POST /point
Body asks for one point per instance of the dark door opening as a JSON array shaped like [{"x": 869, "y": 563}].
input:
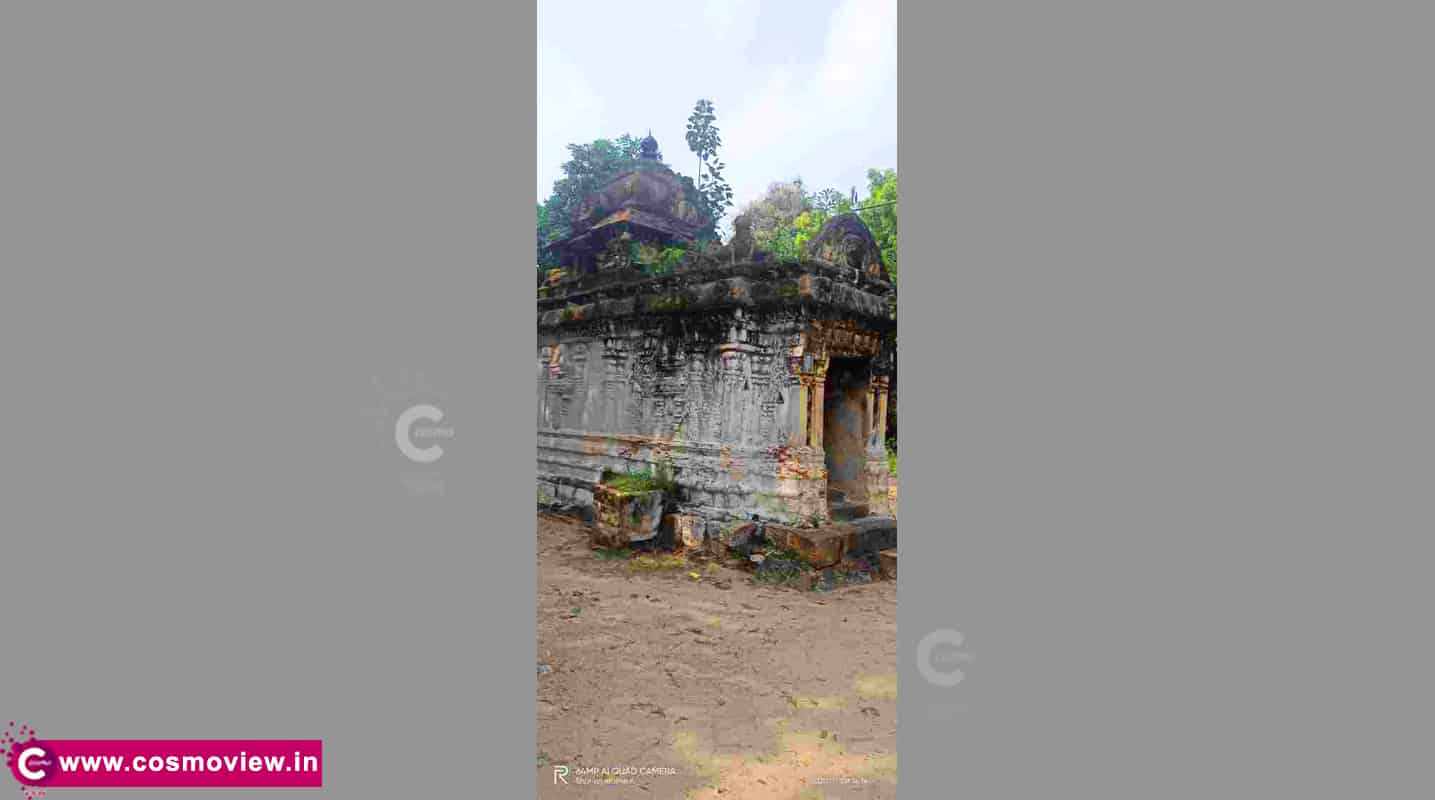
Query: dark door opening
[{"x": 844, "y": 435}]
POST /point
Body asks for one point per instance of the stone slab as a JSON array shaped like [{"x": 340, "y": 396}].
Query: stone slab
[
  {"x": 689, "y": 530},
  {"x": 888, "y": 560},
  {"x": 626, "y": 517},
  {"x": 820, "y": 547},
  {"x": 871, "y": 535}
]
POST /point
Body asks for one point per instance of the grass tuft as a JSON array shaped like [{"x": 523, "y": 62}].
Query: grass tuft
[{"x": 659, "y": 478}]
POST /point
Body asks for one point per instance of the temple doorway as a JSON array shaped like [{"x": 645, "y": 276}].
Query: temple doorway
[{"x": 845, "y": 429}]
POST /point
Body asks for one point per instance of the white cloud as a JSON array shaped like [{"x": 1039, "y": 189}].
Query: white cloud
[
  {"x": 796, "y": 120},
  {"x": 730, "y": 23},
  {"x": 820, "y": 112},
  {"x": 567, "y": 102},
  {"x": 859, "y": 60}
]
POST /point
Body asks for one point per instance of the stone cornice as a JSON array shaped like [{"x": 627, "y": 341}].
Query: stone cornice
[{"x": 756, "y": 285}]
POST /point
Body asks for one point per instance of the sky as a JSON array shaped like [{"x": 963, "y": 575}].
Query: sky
[{"x": 800, "y": 89}]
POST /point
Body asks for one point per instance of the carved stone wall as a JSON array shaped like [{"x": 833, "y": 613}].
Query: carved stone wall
[
  {"x": 715, "y": 396},
  {"x": 732, "y": 401},
  {"x": 717, "y": 370}
]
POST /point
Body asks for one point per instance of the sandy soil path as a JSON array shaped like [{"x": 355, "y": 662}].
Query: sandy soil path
[{"x": 740, "y": 690}]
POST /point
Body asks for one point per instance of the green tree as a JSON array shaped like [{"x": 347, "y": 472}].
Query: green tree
[
  {"x": 547, "y": 233},
  {"x": 704, "y": 139},
  {"x": 827, "y": 201},
  {"x": 880, "y": 217},
  {"x": 772, "y": 215},
  {"x": 787, "y": 217},
  {"x": 588, "y": 167},
  {"x": 880, "y": 214}
]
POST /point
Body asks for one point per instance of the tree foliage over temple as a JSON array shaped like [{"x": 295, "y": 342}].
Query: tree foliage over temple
[
  {"x": 704, "y": 139},
  {"x": 782, "y": 221},
  {"x": 788, "y": 215},
  {"x": 590, "y": 166}
]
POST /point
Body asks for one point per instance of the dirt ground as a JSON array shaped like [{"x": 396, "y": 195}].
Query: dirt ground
[{"x": 729, "y": 688}]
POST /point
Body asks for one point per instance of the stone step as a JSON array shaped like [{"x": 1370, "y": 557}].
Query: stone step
[
  {"x": 829, "y": 544},
  {"x": 888, "y": 561},
  {"x": 819, "y": 547},
  {"x": 871, "y": 535},
  {"x": 846, "y": 510}
]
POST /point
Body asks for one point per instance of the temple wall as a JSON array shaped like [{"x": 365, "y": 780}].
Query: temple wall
[
  {"x": 732, "y": 403},
  {"x": 717, "y": 398},
  {"x": 718, "y": 371}
]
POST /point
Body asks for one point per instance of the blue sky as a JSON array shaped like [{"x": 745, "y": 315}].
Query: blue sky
[{"x": 801, "y": 88}]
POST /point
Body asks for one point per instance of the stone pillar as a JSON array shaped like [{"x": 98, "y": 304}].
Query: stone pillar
[
  {"x": 799, "y": 434},
  {"x": 811, "y": 376},
  {"x": 879, "y": 478},
  {"x": 815, "y": 424},
  {"x": 869, "y": 426},
  {"x": 880, "y": 384}
]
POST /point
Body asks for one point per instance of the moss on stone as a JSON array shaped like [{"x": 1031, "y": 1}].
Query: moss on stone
[
  {"x": 664, "y": 303},
  {"x": 639, "y": 481}
]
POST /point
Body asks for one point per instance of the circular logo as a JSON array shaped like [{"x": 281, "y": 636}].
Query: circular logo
[
  {"x": 933, "y": 667},
  {"x": 33, "y": 763},
  {"x": 404, "y": 433}
]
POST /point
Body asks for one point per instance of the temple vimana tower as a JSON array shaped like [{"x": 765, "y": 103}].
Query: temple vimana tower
[{"x": 759, "y": 383}]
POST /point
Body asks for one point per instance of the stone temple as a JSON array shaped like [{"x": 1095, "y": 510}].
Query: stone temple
[{"x": 759, "y": 382}]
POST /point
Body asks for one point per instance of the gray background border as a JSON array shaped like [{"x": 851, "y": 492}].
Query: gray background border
[
  {"x": 1165, "y": 322},
  {"x": 1166, "y": 424},
  {"x": 235, "y": 236}
]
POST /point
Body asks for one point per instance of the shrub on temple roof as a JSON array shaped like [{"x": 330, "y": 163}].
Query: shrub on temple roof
[{"x": 704, "y": 139}]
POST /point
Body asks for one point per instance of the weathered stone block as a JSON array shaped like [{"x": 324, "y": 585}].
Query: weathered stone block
[
  {"x": 888, "y": 560},
  {"x": 871, "y": 535},
  {"x": 820, "y": 547},
  {"x": 715, "y": 536},
  {"x": 689, "y": 530},
  {"x": 624, "y": 517},
  {"x": 879, "y": 485},
  {"x": 740, "y": 537}
]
